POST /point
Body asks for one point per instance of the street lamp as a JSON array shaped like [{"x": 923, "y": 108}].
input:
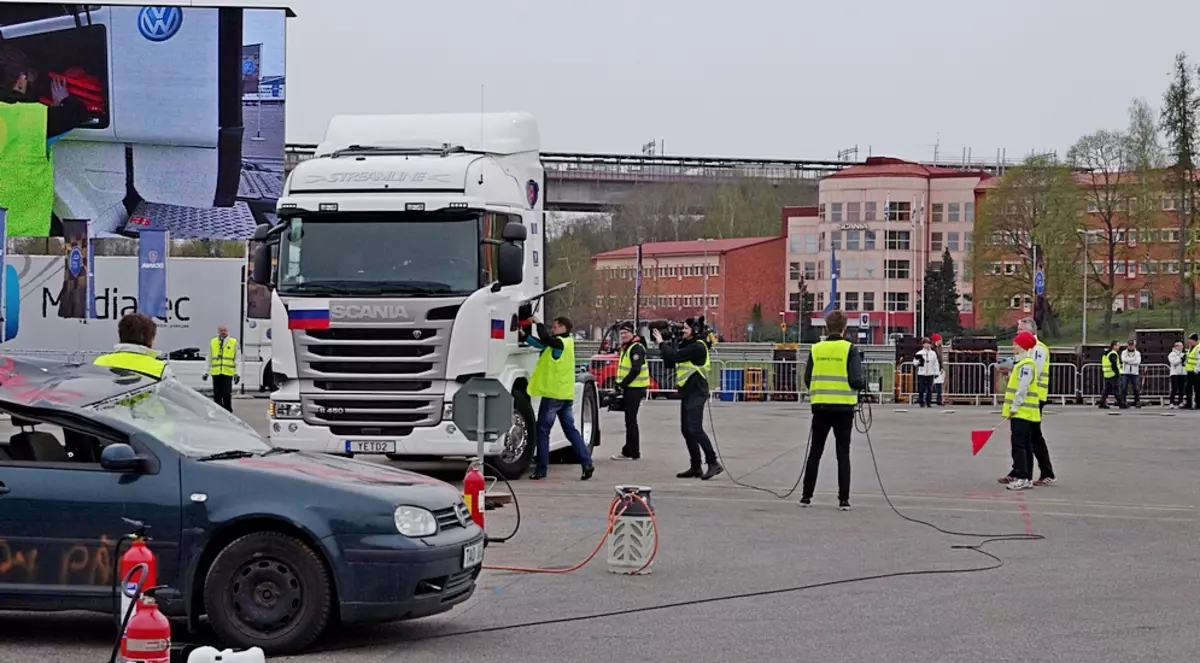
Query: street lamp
[
  {"x": 1087, "y": 267},
  {"x": 705, "y": 305}
]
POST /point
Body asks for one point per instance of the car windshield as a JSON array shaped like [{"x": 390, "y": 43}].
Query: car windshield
[
  {"x": 183, "y": 419},
  {"x": 382, "y": 254}
]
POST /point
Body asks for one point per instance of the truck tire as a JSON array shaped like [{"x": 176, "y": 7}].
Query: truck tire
[
  {"x": 589, "y": 413},
  {"x": 520, "y": 444},
  {"x": 283, "y": 580}
]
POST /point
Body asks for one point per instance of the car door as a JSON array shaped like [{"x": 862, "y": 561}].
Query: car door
[{"x": 60, "y": 523}]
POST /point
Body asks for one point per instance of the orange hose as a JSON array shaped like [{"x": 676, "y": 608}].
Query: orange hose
[{"x": 613, "y": 514}]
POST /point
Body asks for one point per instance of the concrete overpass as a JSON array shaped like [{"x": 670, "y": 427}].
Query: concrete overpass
[{"x": 579, "y": 182}]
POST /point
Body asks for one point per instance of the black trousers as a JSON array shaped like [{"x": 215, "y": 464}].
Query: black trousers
[
  {"x": 1112, "y": 387},
  {"x": 1178, "y": 385},
  {"x": 631, "y": 402},
  {"x": 1022, "y": 447},
  {"x": 223, "y": 391},
  {"x": 1192, "y": 391},
  {"x": 1041, "y": 453},
  {"x": 924, "y": 390},
  {"x": 841, "y": 422},
  {"x": 691, "y": 415}
]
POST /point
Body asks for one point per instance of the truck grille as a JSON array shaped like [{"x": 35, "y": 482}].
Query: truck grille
[{"x": 372, "y": 380}]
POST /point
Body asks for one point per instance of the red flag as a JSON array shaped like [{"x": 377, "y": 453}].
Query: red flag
[{"x": 980, "y": 438}]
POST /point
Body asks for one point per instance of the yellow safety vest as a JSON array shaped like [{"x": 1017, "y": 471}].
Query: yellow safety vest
[
  {"x": 1106, "y": 366},
  {"x": 26, "y": 169},
  {"x": 830, "y": 384},
  {"x": 133, "y": 361},
  {"x": 222, "y": 360},
  {"x": 625, "y": 365},
  {"x": 1193, "y": 357},
  {"x": 1043, "y": 377},
  {"x": 555, "y": 378},
  {"x": 685, "y": 370},
  {"x": 1028, "y": 410}
]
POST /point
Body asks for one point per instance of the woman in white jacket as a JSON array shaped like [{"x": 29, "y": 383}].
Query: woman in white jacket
[
  {"x": 940, "y": 380},
  {"x": 928, "y": 368},
  {"x": 1178, "y": 375},
  {"x": 1131, "y": 363}
]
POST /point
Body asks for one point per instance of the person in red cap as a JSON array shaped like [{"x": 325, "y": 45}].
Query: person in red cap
[
  {"x": 1021, "y": 408},
  {"x": 940, "y": 380}
]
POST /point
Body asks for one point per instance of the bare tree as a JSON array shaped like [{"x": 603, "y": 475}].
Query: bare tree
[{"x": 1106, "y": 157}]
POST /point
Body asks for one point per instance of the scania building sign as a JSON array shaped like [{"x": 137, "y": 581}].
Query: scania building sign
[{"x": 368, "y": 312}]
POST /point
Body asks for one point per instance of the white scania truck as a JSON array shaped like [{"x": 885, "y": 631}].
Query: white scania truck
[{"x": 407, "y": 248}]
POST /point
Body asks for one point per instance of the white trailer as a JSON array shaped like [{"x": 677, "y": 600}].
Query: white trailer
[{"x": 406, "y": 247}]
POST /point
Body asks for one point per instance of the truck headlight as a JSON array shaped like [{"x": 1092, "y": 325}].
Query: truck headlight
[
  {"x": 414, "y": 521},
  {"x": 284, "y": 410}
]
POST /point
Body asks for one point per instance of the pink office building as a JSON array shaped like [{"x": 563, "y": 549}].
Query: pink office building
[{"x": 886, "y": 219}]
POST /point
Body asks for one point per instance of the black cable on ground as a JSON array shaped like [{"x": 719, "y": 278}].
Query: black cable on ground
[
  {"x": 729, "y": 472},
  {"x": 516, "y": 507}
]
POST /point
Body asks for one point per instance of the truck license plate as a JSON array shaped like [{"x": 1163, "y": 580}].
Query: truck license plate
[
  {"x": 370, "y": 446},
  {"x": 473, "y": 555}
]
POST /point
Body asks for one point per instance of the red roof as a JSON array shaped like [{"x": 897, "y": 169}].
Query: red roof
[
  {"x": 694, "y": 247},
  {"x": 892, "y": 167},
  {"x": 802, "y": 211}
]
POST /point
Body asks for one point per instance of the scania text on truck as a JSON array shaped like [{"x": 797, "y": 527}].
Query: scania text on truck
[{"x": 408, "y": 249}]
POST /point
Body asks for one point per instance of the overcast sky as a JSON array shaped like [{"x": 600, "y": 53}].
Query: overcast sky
[{"x": 756, "y": 78}]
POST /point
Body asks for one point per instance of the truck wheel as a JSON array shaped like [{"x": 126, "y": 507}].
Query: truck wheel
[
  {"x": 587, "y": 419},
  {"x": 520, "y": 443},
  {"x": 268, "y": 590}
]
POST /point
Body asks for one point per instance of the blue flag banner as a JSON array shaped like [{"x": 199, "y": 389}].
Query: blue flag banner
[
  {"x": 77, "y": 268},
  {"x": 91, "y": 277},
  {"x": 152, "y": 272},
  {"x": 831, "y": 306}
]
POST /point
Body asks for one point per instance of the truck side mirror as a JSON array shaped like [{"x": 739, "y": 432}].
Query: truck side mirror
[
  {"x": 514, "y": 231},
  {"x": 261, "y": 232},
  {"x": 510, "y": 268},
  {"x": 261, "y": 271}
]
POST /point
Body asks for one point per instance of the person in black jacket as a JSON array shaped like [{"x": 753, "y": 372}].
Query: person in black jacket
[
  {"x": 833, "y": 404},
  {"x": 632, "y": 388},
  {"x": 690, "y": 358}
]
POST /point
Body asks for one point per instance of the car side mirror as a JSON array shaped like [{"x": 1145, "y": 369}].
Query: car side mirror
[
  {"x": 120, "y": 457},
  {"x": 510, "y": 268},
  {"x": 260, "y": 272},
  {"x": 514, "y": 231}
]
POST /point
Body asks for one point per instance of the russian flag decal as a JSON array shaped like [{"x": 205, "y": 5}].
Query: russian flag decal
[
  {"x": 308, "y": 315},
  {"x": 498, "y": 331}
]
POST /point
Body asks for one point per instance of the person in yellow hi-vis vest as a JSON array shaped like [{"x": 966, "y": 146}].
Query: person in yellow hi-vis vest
[
  {"x": 834, "y": 375},
  {"x": 1022, "y": 408},
  {"x": 27, "y": 129},
  {"x": 135, "y": 351},
  {"x": 633, "y": 380},
  {"x": 222, "y": 366},
  {"x": 553, "y": 381}
]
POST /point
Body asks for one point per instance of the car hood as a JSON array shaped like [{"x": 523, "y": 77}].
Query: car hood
[{"x": 348, "y": 474}]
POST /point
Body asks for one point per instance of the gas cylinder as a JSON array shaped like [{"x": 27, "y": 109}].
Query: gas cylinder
[
  {"x": 138, "y": 553},
  {"x": 147, "y": 637},
  {"x": 211, "y": 655},
  {"x": 474, "y": 488}
]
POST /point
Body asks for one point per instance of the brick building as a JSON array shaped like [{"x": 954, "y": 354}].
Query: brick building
[
  {"x": 722, "y": 279},
  {"x": 887, "y": 220},
  {"x": 1145, "y": 251}
]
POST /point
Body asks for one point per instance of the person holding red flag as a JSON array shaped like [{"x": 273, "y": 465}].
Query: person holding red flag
[{"x": 1022, "y": 401}]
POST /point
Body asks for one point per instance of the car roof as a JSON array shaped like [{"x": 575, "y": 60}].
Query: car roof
[{"x": 39, "y": 382}]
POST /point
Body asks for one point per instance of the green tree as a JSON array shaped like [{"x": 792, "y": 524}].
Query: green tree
[
  {"x": 1036, "y": 203},
  {"x": 941, "y": 298},
  {"x": 1179, "y": 118}
]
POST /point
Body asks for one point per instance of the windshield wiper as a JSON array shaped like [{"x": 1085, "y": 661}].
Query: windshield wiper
[
  {"x": 333, "y": 288},
  {"x": 228, "y": 455},
  {"x": 373, "y": 288},
  {"x": 280, "y": 450}
]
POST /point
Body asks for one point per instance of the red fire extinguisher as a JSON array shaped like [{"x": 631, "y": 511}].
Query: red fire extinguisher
[
  {"x": 138, "y": 553},
  {"x": 147, "y": 637},
  {"x": 474, "y": 488}
]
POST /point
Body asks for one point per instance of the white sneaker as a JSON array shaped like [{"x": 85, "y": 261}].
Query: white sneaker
[
  {"x": 1019, "y": 484},
  {"x": 620, "y": 457}
]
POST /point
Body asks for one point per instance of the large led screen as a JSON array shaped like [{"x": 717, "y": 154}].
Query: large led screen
[{"x": 129, "y": 117}]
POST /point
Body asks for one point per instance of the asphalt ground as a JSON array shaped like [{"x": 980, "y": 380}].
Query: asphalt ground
[{"x": 1114, "y": 580}]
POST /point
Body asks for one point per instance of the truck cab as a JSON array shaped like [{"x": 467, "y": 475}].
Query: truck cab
[{"x": 410, "y": 250}]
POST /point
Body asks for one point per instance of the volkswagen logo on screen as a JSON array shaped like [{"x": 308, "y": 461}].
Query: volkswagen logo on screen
[{"x": 159, "y": 23}]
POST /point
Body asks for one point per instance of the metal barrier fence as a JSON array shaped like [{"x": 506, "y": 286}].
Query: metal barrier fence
[{"x": 1154, "y": 383}]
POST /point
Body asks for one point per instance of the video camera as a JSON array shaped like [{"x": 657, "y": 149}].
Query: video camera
[{"x": 671, "y": 331}]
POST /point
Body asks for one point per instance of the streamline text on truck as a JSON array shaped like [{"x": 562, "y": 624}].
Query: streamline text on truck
[{"x": 408, "y": 248}]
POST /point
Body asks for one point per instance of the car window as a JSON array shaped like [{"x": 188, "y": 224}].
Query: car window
[
  {"x": 47, "y": 443},
  {"x": 183, "y": 419}
]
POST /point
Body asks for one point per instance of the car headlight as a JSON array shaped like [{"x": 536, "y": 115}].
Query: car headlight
[
  {"x": 415, "y": 521},
  {"x": 284, "y": 410}
]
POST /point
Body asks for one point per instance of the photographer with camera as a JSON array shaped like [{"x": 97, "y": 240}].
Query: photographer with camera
[
  {"x": 633, "y": 379},
  {"x": 834, "y": 375},
  {"x": 692, "y": 364}
]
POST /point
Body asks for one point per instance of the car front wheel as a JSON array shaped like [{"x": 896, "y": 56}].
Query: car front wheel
[{"x": 268, "y": 590}]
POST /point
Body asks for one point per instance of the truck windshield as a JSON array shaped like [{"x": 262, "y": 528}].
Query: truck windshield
[{"x": 381, "y": 254}]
